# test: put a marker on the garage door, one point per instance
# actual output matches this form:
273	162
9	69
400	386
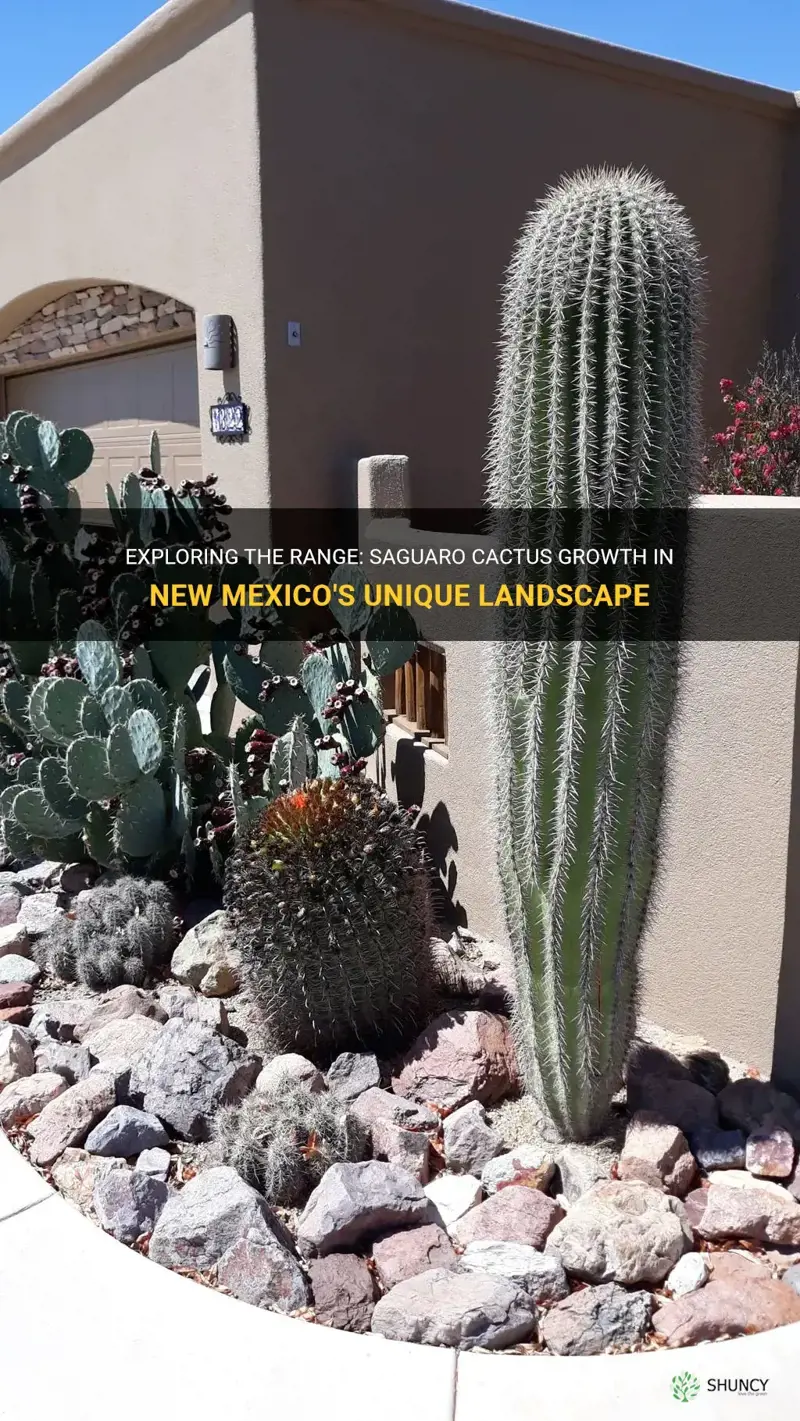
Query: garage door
118	401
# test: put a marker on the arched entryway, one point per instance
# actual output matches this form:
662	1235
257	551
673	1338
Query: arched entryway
118	361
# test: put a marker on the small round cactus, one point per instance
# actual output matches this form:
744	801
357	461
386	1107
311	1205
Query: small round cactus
121	933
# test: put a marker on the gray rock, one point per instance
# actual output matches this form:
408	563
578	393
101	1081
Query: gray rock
594	1319
123	1040
39	913
208	1216
540	1275
409	1252
27	1097
623	1233
657	1154
36	875
792	1277
71	1062
749	1104
718	1149
68	1119
689	1274
527	1164
175	999
354	1202
127	1203
351	1074
19	969
76	1173
183	1002
452	1196
77	877
469	1140
445	1308
410	1149
344	1291
708	1069
185	1072
155	1162
376	1104
206	959
126	1131
16	1055
289	1068
14	941
677	1102
460	1056
10	900
580	1167
260	1271
740	1206
120	1004
58	1018
515	1214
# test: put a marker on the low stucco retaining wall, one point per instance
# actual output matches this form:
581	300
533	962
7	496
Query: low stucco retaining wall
89	1329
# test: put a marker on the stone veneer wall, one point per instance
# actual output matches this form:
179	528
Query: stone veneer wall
97	318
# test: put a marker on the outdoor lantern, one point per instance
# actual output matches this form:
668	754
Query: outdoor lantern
218	343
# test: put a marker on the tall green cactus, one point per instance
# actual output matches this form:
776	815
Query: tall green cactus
596	409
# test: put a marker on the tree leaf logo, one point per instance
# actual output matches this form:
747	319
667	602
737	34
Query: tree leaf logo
685	1386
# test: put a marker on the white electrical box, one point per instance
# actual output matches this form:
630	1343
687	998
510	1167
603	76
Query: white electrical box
293	336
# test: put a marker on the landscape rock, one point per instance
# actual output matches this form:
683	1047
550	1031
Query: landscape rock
36	875
260	1271
15	1016
128	1202
39	913
290	1069
726	1308
580	1168
122	1040
452	1195
76	1173
205	958
409	1252
515	1214
76	878
120	1004
540	1275
126	1131
15	994
708	1069
155	1162
657	1154
680	1102
27	1097
756	1210
469	1140
689	1274
351	1074
208	1216
461	1056
344	1291
16	1055
622	1233
58	1018
750	1104
18	969
71	1062
354	1202
527	1164
10	901
734	1264
185	1071
595	1319
410	1149
770	1153
68	1119
445	1308
376	1104
792	1278
14	941
718	1149
178	1001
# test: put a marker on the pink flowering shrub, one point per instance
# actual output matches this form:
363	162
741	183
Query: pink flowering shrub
759	450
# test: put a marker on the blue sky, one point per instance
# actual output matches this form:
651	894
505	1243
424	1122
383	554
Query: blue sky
45	42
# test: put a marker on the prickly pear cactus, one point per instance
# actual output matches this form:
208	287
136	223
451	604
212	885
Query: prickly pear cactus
596	408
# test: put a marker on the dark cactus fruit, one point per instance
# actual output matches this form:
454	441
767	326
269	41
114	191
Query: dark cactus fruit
122	933
331	906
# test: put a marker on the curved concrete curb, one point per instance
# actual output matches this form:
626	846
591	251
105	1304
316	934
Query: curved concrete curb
89	1329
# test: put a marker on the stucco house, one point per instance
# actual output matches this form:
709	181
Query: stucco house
345	180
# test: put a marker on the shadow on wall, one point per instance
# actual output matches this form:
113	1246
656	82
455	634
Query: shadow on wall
786	1047
408	774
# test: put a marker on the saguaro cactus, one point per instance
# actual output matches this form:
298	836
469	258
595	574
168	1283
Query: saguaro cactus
596	409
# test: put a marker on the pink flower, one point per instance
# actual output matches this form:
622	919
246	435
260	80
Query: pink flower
741	406
725	385
720	438
779	493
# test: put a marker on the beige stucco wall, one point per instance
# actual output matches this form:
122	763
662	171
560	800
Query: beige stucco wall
145	170
403	143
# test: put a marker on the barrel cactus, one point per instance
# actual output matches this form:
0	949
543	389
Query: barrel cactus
596	408
330	899
121	932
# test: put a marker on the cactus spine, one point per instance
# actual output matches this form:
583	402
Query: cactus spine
596	408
